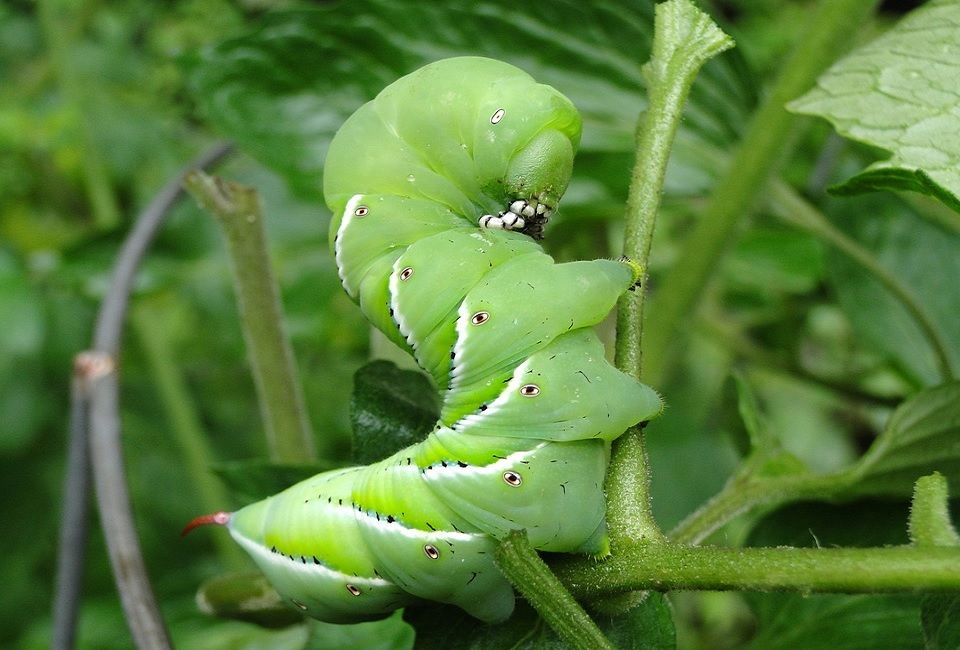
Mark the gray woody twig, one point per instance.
(95, 412)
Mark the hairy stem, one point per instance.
(765, 143)
(238, 211)
(670, 74)
(792, 208)
(684, 39)
(522, 566)
(807, 570)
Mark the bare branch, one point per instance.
(94, 412)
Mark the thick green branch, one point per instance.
(684, 39)
(815, 570)
(522, 566)
(766, 141)
(237, 210)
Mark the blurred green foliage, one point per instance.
(101, 103)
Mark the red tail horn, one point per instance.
(218, 518)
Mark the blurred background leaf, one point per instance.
(898, 92)
(284, 89)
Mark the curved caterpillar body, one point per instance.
(439, 187)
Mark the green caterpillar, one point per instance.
(439, 188)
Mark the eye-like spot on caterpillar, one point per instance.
(406, 273)
(431, 551)
(512, 479)
(480, 318)
(353, 589)
(530, 390)
(361, 211)
(298, 604)
(497, 116)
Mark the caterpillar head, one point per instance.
(468, 134)
(537, 175)
(537, 131)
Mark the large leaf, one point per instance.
(390, 409)
(836, 622)
(940, 617)
(925, 258)
(282, 91)
(252, 480)
(860, 524)
(391, 633)
(922, 436)
(648, 626)
(900, 93)
(22, 390)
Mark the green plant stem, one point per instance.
(807, 570)
(765, 143)
(185, 424)
(670, 75)
(96, 178)
(522, 566)
(793, 209)
(684, 39)
(237, 209)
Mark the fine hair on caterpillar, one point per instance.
(440, 188)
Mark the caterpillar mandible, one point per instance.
(439, 187)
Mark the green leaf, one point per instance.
(21, 312)
(390, 409)
(765, 260)
(789, 621)
(922, 436)
(392, 633)
(439, 627)
(924, 257)
(860, 524)
(252, 480)
(228, 635)
(282, 91)
(246, 596)
(648, 626)
(900, 93)
(930, 523)
(834, 622)
(24, 403)
(23, 387)
(940, 618)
